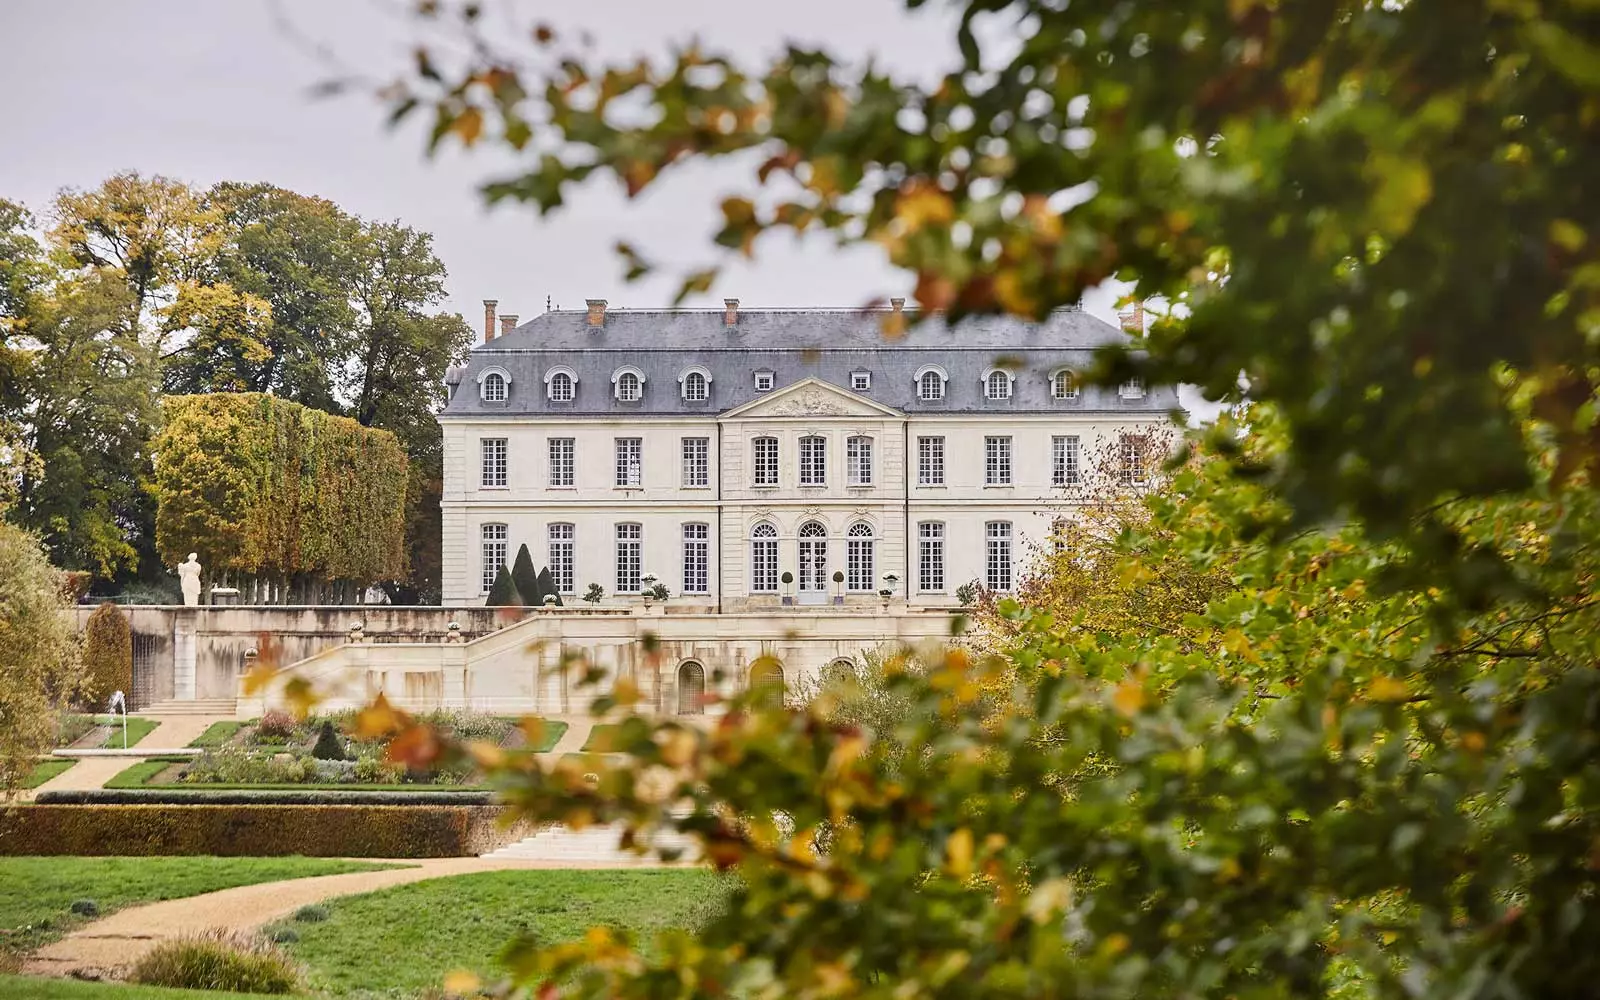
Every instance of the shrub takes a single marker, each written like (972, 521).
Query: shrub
(372, 769)
(594, 593)
(231, 765)
(107, 655)
(85, 908)
(219, 960)
(333, 772)
(470, 725)
(504, 592)
(275, 725)
(72, 727)
(283, 935)
(329, 746)
(314, 913)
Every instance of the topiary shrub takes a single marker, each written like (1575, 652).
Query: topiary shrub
(329, 746)
(107, 656)
(85, 908)
(504, 592)
(219, 960)
(547, 588)
(526, 578)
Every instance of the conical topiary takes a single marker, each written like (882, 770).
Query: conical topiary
(526, 578)
(504, 592)
(329, 746)
(547, 586)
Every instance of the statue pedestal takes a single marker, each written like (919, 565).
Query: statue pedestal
(183, 654)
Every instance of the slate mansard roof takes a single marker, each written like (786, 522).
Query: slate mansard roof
(793, 344)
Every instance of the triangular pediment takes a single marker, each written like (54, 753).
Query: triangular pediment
(811, 397)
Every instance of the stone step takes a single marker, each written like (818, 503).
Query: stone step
(596, 845)
(222, 707)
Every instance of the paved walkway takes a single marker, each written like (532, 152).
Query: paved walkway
(172, 732)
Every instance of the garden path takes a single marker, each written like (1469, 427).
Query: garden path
(577, 734)
(172, 732)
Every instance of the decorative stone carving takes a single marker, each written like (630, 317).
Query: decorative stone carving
(810, 401)
(189, 580)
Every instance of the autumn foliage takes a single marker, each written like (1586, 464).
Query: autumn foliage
(107, 655)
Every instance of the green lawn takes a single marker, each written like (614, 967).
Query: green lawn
(29, 988)
(551, 735)
(403, 940)
(135, 775)
(38, 892)
(217, 734)
(601, 738)
(138, 729)
(45, 770)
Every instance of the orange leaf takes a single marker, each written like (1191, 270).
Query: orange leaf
(417, 748)
(379, 719)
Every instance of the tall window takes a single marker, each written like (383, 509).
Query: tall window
(997, 461)
(696, 559)
(561, 388)
(630, 461)
(930, 557)
(764, 559)
(813, 557)
(765, 464)
(997, 561)
(494, 388)
(494, 461)
(930, 386)
(561, 468)
(930, 461)
(813, 461)
(997, 385)
(629, 388)
(859, 563)
(1132, 471)
(695, 388)
(858, 461)
(494, 553)
(1063, 385)
(696, 461)
(629, 543)
(1064, 460)
(561, 573)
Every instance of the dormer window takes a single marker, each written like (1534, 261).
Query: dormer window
(561, 384)
(494, 385)
(764, 381)
(930, 383)
(696, 385)
(861, 381)
(628, 384)
(1063, 384)
(1132, 389)
(997, 384)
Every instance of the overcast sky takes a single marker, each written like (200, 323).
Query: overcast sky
(206, 91)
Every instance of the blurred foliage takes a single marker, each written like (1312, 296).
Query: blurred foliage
(39, 666)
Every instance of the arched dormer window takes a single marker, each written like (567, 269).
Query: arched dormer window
(1063, 384)
(561, 384)
(494, 384)
(695, 384)
(997, 384)
(627, 384)
(930, 382)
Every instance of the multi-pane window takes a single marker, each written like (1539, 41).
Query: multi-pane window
(561, 388)
(813, 461)
(561, 569)
(861, 381)
(494, 388)
(930, 557)
(997, 560)
(561, 461)
(997, 461)
(1132, 464)
(630, 461)
(695, 387)
(696, 461)
(858, 557)
(1064, 460)
(494, 553)
(930, 461)
(764, 559)
(765, 465)
(696, 559)
(858, 461)
(629, 387)
(494, 461)
(1132, 389)
(1064, 385)
(930, 386)
(997, 385)
(764, 381)
(629, 545)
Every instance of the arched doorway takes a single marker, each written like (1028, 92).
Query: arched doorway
(813, 563)
(766, 682)
(691, 688)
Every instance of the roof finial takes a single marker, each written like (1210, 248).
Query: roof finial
(547, 303)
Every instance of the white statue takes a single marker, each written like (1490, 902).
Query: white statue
(189, 580)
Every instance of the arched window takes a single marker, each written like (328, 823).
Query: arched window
(766, 682)
(997, 384)
(1132, 389)
(813, 557)
(764, 559)
(629, 387)
(563, 387)
(930, 383)
(696, 384)
(859, 558)
(494, 384)
(839, 671)
(1063, 384)
(691, 688)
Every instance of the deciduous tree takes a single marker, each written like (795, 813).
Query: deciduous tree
(39, 667)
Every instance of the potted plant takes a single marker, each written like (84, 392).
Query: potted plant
(594, 593)
(549, 600)
(647, 588)
(838, 581)
(889, 581)
(788, 580)
(660, 592)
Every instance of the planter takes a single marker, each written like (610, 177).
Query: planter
(787, 600)
(838, 600)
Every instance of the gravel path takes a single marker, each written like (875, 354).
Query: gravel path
(172, 732)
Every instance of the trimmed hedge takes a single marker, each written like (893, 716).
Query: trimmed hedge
(319, 831)
(201, 795)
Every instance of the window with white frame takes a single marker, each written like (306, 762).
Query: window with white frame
(997, 461)
(813, 460)
(493, 538)
(930, 386)
(696, 386)
(696, 461)
(1132, 389)
(1064, 384)
(930, 557)
(630, 544)
(1132, 465)
(764, 465)
(930, 461)
(764, 380)
(997, 560)
(561, 461)
(1064, 460)
(997, 384)
(861, 381)
(561, 569)
(494, 388)
(859, 561)
(494, 462)
(696, 559)
(858, 460)
(561, 385)
(764, 559)
(630, 461)
(630, 386)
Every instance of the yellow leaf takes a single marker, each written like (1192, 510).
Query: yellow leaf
(468, 125)
(677, 746)
(1400, 188)
(1129, 698)
(921, 204)
(461, 981)
(958, 853)
(625, 692)
(1568, 235)
(1387, 689)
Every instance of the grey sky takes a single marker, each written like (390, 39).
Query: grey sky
(203, 91)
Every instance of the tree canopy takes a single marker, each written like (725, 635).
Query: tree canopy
(39, 666)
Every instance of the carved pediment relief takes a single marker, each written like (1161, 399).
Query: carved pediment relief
(813, 398)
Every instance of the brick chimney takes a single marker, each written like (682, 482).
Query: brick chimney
(488, 319)
(730, 312)
(1133, 319)
(597, 311)
(508, 322)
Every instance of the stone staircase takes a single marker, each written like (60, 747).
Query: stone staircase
(592, 847)
(222, 708)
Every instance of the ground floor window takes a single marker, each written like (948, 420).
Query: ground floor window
(494, 553)
(997, 565)
(629, 545)
(859, 557)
